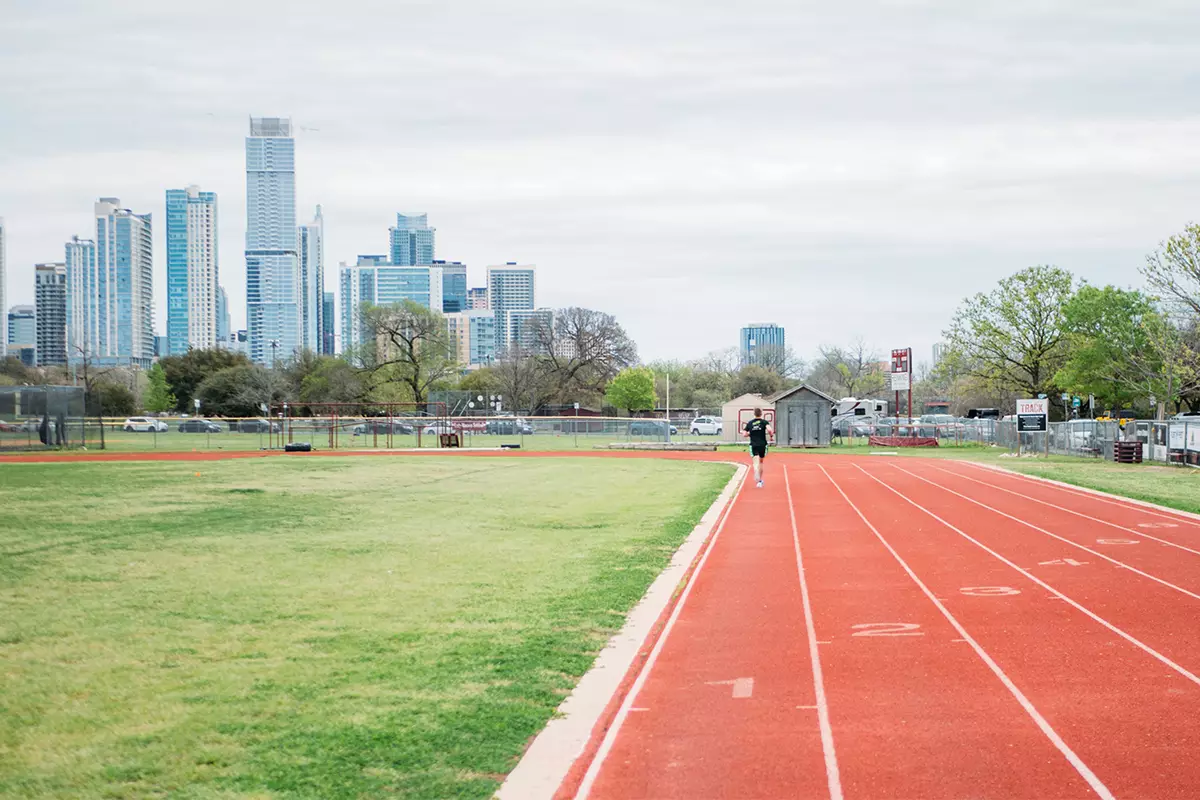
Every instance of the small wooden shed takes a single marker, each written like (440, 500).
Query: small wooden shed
(737, 412)
(803, 417)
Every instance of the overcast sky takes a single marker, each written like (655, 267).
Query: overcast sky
(843, 170)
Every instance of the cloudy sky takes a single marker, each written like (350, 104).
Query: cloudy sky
(844, 170)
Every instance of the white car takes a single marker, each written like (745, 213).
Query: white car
(707, 426)
(144, 425)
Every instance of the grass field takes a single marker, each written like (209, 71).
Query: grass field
(316, 628)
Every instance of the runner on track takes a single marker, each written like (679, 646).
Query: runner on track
(758, 429)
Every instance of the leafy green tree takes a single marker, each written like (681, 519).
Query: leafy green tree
(1013, 338)
(158, 395)
(1109, 352)
(241, 390)
(632, 389)
(186, 372)
(1173, 271)
(332, 380)
(753, 379)
(114, 399)
(410, 346)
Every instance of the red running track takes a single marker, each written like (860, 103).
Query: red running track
(910, 628)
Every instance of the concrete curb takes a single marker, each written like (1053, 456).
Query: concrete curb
(545, 765)
(1086, 490)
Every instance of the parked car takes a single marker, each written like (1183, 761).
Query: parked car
(144, 425)
(198, 425)
(383, 426)
(707, 426)
(438, 428)
(650, 427)
(259, 425)
(508, 426)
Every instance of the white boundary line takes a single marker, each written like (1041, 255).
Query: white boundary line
(1127, 637)
(549, 759)
(831, 765)
(1097, 786)
(1139, 532)
(1115, 499)
(1063, 539)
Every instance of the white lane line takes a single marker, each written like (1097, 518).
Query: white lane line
(1127, 637)
(1063, 539)
(1141, 533)
(610, 736)
(831, 765)
(1127, 503)
(1084, 771)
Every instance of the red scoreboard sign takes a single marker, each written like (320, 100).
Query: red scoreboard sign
(902, 360)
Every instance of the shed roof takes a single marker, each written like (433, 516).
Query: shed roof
(775, 398)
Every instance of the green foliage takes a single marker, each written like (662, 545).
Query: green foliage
(114, 399)
(332, 380)
(240, 390)
(411, 346)
(1109, 353)
(632, 389)
(158, 397)
(1014, 338)
(186, 372)
(753, 379)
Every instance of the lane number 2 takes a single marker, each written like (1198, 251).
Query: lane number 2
(887, 629)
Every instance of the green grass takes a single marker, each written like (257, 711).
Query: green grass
(312, 628)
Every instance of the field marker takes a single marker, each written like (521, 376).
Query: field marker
(1020, 521)
(831, 765)
(742, 687)
(1081, 514)
(1097, 786)
(1127, 637)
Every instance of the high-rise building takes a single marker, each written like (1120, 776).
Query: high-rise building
(272, 263)
(50, 283)
(22, 334)
(477, 297)
(521, 328)
(371, 283)
(454, 286)
(474, 333)
(84, 301)
(509, 288)
(758, 340)
(125, 286)
(311, 245)
(939, 352)
(224, 324)
(3, 287)
(328, 341)
(193, 274)
(412, 241)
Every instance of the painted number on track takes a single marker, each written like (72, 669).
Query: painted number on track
(989, 591)
(1157, 525)
(742, 687)
(887, 629)
(1070, 562)
(1116, 541)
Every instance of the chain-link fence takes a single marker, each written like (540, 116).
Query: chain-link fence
(45, 417)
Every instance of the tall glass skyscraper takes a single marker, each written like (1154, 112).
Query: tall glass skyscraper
(412, 241)
(124, 286)
(510, 288)
(50, 282)
(312, 281)
(84, 310)
(328, 345)
(759, 338)
(192, 270)
(223, 322)
(272, 263)
(454, 286)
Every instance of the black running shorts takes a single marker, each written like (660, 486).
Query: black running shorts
(759, 450)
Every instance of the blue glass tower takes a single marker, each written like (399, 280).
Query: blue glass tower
(757, 339)
(272, 265)
(193, 288)
(121, 332)
(454, 286)
(412, 241)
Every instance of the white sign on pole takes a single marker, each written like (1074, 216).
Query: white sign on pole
(196, 400)
(900, 381)
(1176, 437)
(1033, 415)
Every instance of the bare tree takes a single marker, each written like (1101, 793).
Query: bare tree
(520, 379)
(411, 346)
(581, 350)
(852, 371)
(783, 361)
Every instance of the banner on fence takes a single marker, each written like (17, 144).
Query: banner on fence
(1193, 438)
(1176, 437)
(1032, 415)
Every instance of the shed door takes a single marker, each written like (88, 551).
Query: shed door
(812, 426)
(795, 432)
